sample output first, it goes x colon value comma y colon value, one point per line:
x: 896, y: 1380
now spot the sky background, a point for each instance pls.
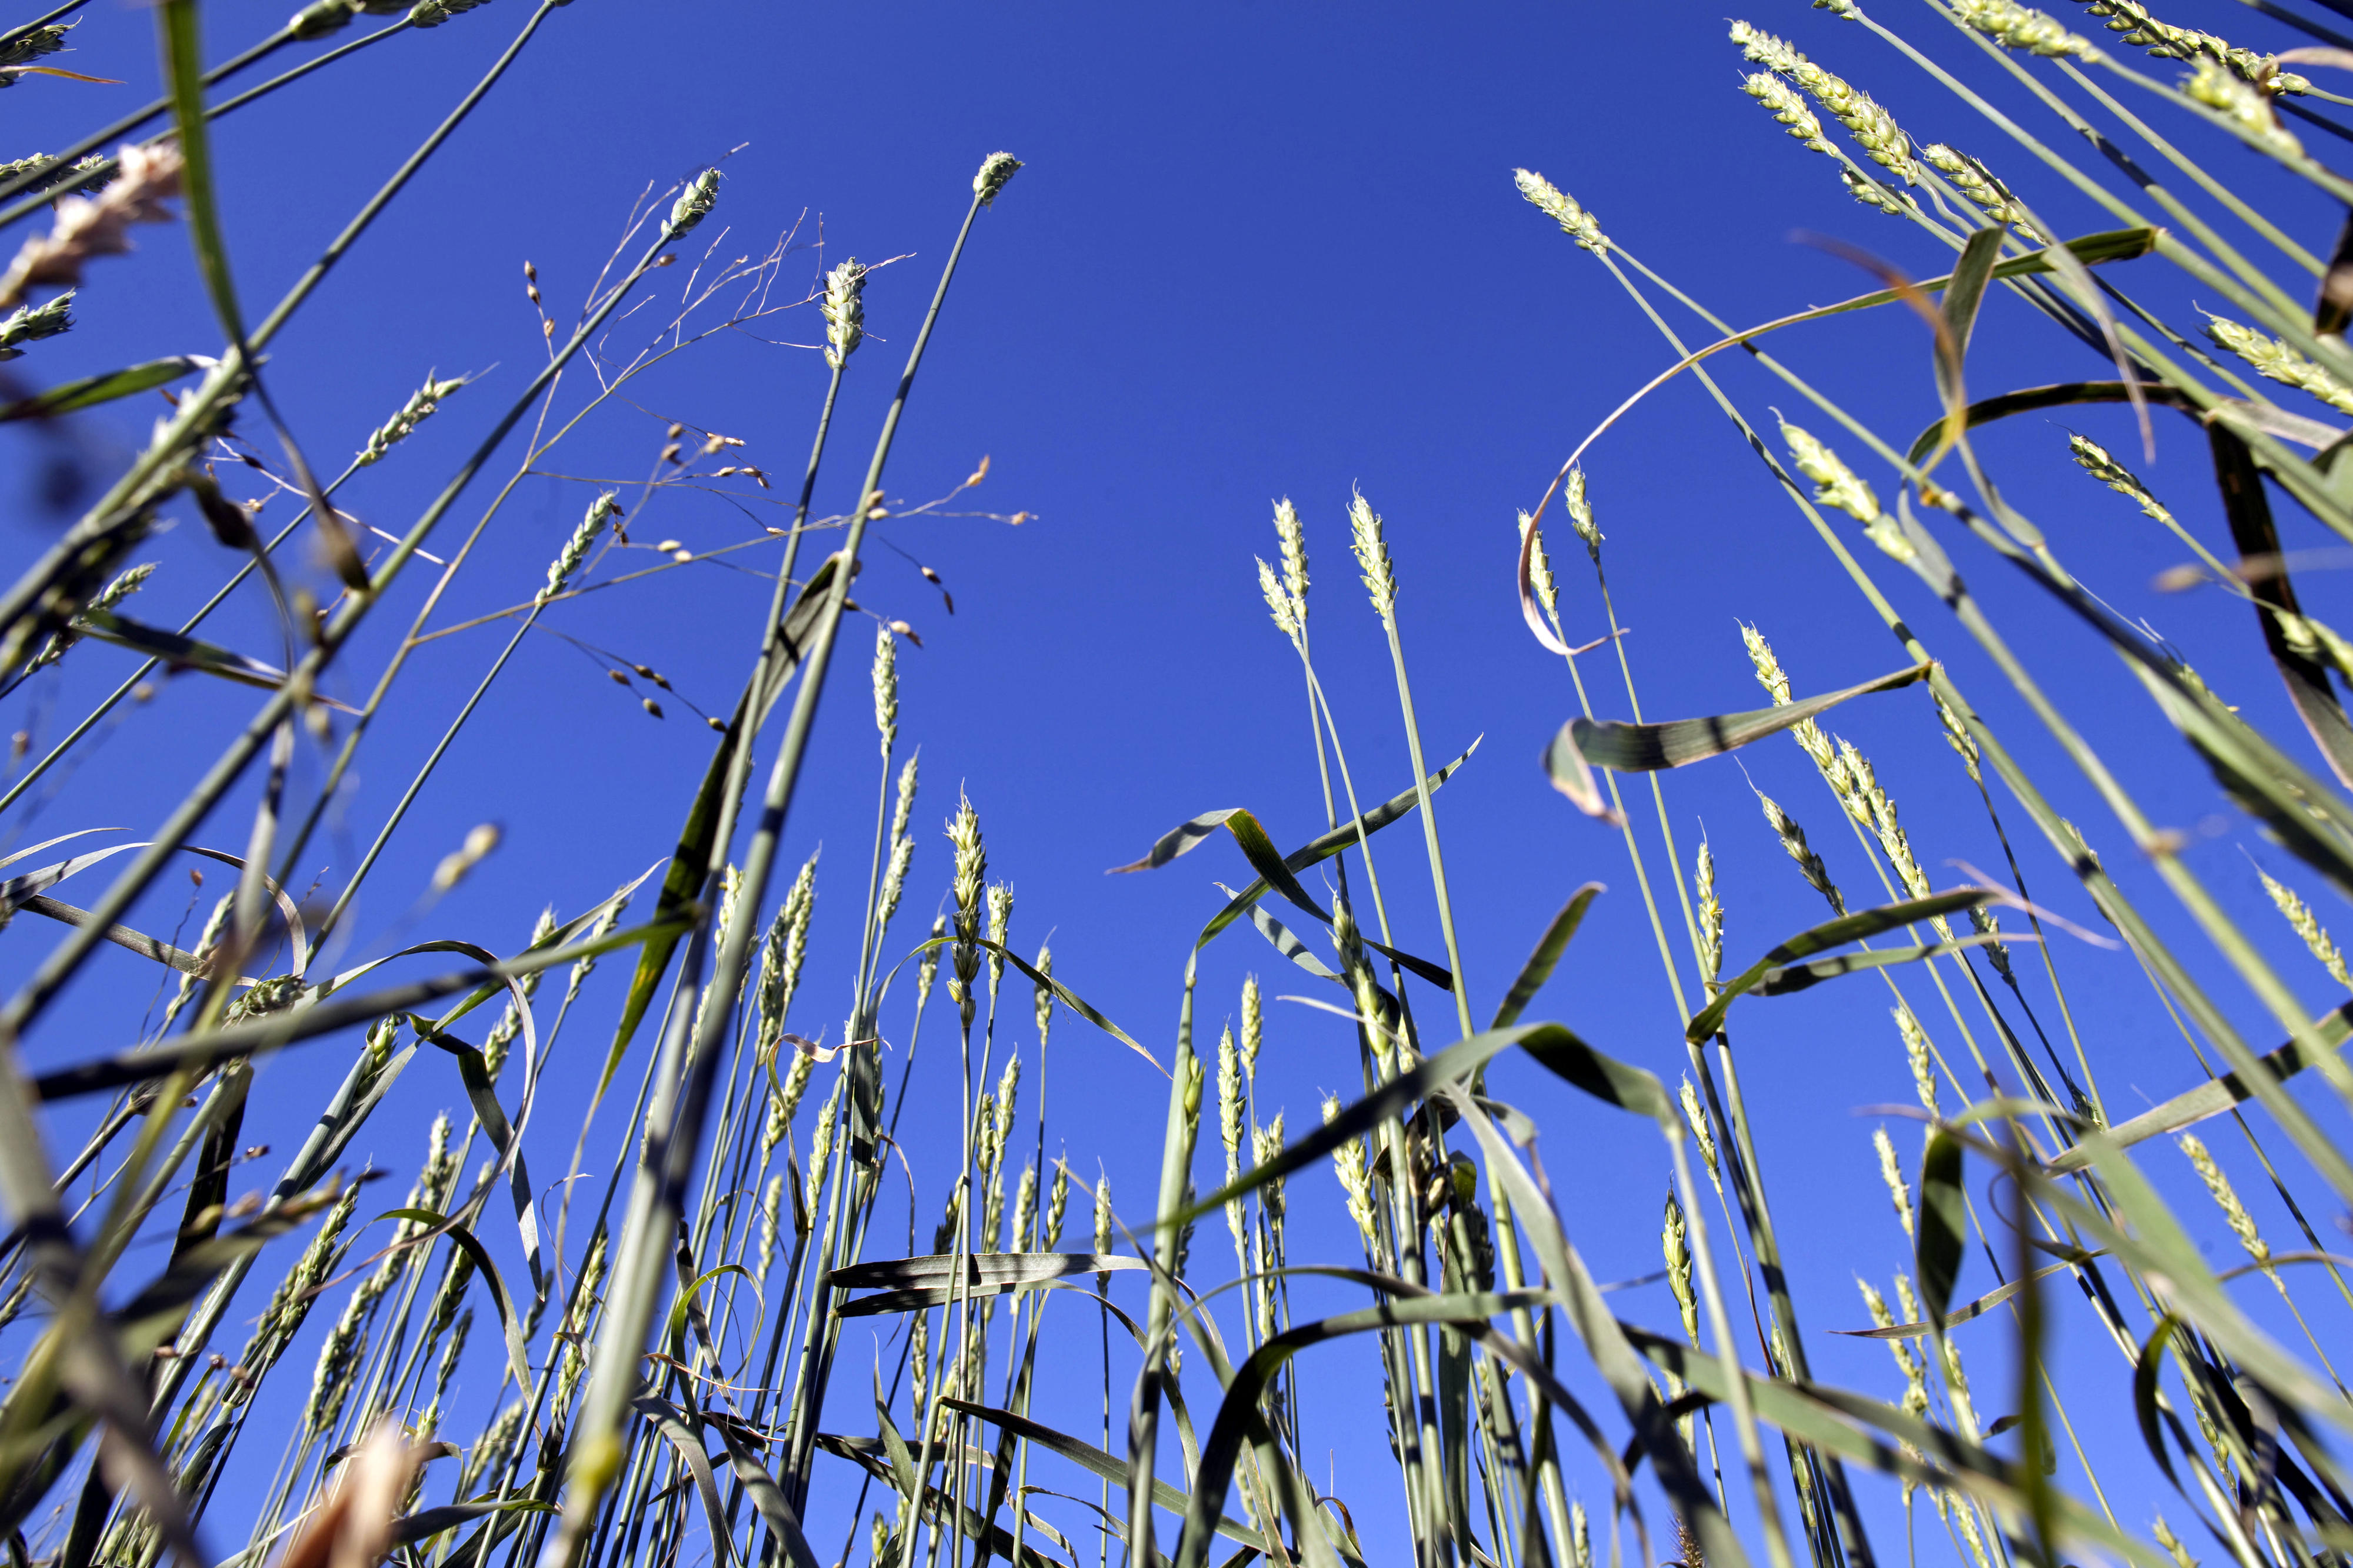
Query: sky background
x: 1256, y: 252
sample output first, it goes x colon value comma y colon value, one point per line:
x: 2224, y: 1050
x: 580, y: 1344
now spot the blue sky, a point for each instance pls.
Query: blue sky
x: 1256, y: 252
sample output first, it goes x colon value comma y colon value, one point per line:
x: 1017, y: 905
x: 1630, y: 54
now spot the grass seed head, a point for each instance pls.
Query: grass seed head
x: 1372, y: 552
x: 2226, y: 1197
x: 844, y: 309
x: 1253, y: 1026
x: 994, y: 171
x: 1872, y: 128
x: 1788, y: 106
x: 1043, y: 1000
x: 2275, y: 361
x: 1695, y: 1118
x: 1106, y: 1233
x: 1349, y: 1165
x: 772, y: 1208
x: 576, y: 549
x: 2173, y: 1544
x: 1558, y: 205
x: 1025, y: 1207
x: 1891, y: 1171
x: 1711, y: 919
x: 1980, y: 189
x: 1278, y: 603
x: 1292, y: 538
x: 1957, y: 736
x: 693, y: 205
x: 1580, y: 1538
x: 1579, y: 509
x: 2016, y: 27
x: 31, y: 323
x: 2094, y: 461
x: 1058, y: 1206
x: 886, y: 688
x: 422, y: 404
x: 1793, y: 844
x: 1674, y: 1244
x: 2247, y: 106
x: 1540, y: 578
x: 1231, y: 1115
x: 2307, y: 927
x: 88, y: 226
x: 1916, y: 1054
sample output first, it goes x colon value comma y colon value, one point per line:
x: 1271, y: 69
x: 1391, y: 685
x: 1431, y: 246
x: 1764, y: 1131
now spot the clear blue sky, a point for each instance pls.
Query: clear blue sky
x: 1256, y: 252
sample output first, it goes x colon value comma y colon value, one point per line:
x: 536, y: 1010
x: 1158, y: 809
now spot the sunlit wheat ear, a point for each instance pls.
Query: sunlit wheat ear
x: 2275, y: 361
x: 2244, y: 104
x: 1372, y: 552
x: 1695, y: 1118
x: 1809, y: 736
x: 576, y: 549
x: 2226, y: 1197
x: 1355, y: 1177
x: 1906, y: 1358
x: 927, y: 968
x: 2016, y: 27
x: 903, y: 847
x: 490, y: 1450
x: 572, y: 1365
x: 1980, y: 188
x: 1230, y: 1120
x: 1558, y: 205
x: 995, y: 170
x: 780, y: 956
x: 886, y: 688
x: 693, y: 205
x: 730, y: 890
x: 1788, y: 107
x: 1253, y: 1030
x: 2165, y: 41
x: 1674, y: 1245
x: 1574, y: 501
x: 1580, y: 1538
x: 422, y: 404
x: 1915, y: 1054
x: 88, y: 226
x: 1891, y: 1171
x: 1540, y: 578
x: 1957, y: 736
x: 785, y: 1101
x: 1874, y: 129
x: 2173, y: 1544
x: 2315, y: 939
x: 1106, y: 1230
x: 1293, y: 540
x: 844, y: 309
x: 1794, y: 845
x: 2094, y: 461
x: 62, y: 640
x: 1058, y: 1207
x: 772, y: 1208
x: 820, y: 1160
x: 1836, y: 485
x: 31, y: 323
x: 1710, y: 919
x: 1025, y: 1207
x: 503, y: 1034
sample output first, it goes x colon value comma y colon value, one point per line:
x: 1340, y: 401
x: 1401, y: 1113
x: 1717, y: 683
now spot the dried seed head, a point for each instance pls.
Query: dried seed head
x: 1915, y: 1052
x: 576, y: 549
x: 1559, y: 206
x: 30, y: 323
x: 88, y: 227
x: 1892, y: 1171
x: 844, y: 309
x: 2014, y: 27
x: 693, y: 204
x: 2226, y: 1197
x: 995, y: 170
x: 1794, y: 845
